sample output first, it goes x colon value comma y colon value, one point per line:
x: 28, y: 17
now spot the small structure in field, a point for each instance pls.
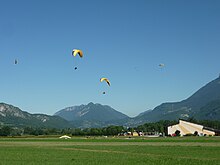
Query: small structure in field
x: 135, y: 134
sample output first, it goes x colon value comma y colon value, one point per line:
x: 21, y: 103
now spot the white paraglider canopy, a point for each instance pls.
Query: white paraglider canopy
x: 65, y: 137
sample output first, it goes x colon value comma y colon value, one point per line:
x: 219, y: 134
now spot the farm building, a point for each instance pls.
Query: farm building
x: 190, y: 128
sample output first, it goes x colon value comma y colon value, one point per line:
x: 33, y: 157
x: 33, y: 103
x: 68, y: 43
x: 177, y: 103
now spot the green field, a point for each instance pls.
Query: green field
x: 98, y: 150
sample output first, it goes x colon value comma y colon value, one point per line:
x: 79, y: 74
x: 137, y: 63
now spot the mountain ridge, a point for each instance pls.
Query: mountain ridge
x: 13, y: 116
x: 187, y: 108
x: 204, y: 104
x: 90, y: 113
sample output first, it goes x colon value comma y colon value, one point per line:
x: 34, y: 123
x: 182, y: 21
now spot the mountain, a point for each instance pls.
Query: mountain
x: 91, y: 115
x: 203, y: 104
x: 13, y: 116
x: 210, y: 111
x: 144, y: 113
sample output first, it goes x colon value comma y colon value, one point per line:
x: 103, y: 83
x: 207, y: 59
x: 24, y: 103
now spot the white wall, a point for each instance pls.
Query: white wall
x: 188, y: 128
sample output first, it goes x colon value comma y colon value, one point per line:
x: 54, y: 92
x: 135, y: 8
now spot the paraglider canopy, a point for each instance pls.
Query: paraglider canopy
x: 77, y: 51
x: 106, y: 80
x: 65, y: 137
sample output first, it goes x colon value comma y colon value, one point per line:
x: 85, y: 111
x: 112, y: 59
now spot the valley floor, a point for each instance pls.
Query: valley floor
x: 110, y: 150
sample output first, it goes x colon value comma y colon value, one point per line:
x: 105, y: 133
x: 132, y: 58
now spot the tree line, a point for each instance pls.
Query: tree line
x: 159, y: 127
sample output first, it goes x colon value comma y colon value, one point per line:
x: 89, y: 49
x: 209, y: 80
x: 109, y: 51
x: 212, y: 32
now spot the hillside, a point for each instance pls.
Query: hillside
x: 13, y: 116
x: 91, y: 115
x: 210, y: 111
x: 203, y: 104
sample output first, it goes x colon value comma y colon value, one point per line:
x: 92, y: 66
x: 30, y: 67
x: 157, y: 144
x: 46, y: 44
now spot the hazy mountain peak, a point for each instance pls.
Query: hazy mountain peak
x: 90, y: 104
x: 91, y: 112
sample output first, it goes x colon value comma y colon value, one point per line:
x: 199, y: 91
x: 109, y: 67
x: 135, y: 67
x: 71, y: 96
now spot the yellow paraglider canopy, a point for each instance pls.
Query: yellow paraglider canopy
x: 106, y: 80
x: 77, y: 51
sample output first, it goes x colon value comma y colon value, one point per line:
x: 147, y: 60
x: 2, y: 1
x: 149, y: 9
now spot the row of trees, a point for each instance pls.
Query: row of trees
x: 159, y: 127
x: 108, y: 131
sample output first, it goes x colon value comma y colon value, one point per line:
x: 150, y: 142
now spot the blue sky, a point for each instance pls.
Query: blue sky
x: 123, y: 40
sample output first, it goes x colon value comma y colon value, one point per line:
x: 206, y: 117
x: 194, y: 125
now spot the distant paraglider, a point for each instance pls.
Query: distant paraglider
x: 16, y: 61
x: 76, y: 52
x: 161, y: 65
x: 107, y: 81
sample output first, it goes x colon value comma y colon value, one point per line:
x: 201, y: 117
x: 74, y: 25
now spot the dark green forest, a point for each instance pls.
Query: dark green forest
x: 156, y: 127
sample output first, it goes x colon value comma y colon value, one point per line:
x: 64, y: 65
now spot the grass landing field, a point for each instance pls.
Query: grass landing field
x: 120, y: 151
